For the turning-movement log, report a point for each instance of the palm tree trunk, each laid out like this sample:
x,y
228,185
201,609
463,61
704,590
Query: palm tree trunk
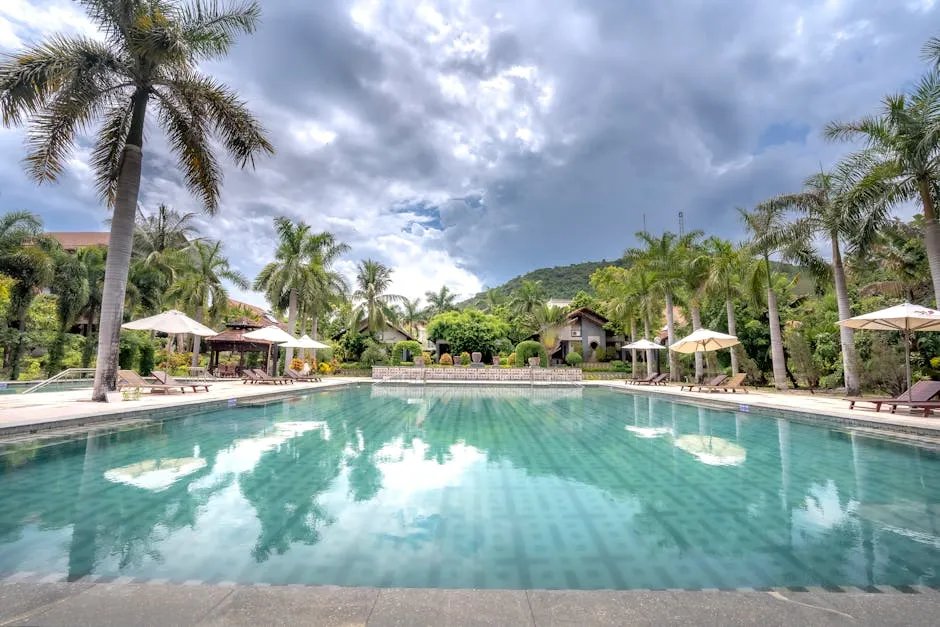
x,y
120,243
632,340
729,304
649,351
671,336
776,342
17,356
847,335
696,325
88,345
931,237
196,340
313,334
291,324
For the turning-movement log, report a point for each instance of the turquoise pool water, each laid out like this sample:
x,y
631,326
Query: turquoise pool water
x,y
474,487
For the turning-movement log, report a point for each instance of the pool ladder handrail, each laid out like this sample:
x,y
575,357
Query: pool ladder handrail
x,y
58,377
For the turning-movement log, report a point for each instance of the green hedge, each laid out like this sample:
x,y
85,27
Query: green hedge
x,y
530,348
399,349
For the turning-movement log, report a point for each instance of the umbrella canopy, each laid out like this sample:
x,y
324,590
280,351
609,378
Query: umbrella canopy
x,y
704,340
904,318
305,341
172,322
155,474
272,333
712,451
644,345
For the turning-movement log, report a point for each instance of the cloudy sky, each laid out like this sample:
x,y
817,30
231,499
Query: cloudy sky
x,y
464,142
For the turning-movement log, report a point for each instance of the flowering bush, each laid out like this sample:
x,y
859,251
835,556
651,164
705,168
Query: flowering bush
x,y
465,358
511,360
297,364
325,368
447,360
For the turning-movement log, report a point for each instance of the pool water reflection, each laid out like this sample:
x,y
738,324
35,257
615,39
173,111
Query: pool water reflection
x,y
472,487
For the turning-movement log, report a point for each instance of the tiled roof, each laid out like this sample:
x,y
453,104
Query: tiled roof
x,y
73,240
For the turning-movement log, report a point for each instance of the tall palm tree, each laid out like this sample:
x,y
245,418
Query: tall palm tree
x,y
17,228
412,314
664,257
161,239
282,279
931,52
900,161
71,291
373,280
771,235
93,260
440,301
528,298
492,299
201,287
827,210
323,287
150,54
726,271
695,273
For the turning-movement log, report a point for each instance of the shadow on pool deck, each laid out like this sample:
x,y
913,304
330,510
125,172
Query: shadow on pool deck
x,y
142,604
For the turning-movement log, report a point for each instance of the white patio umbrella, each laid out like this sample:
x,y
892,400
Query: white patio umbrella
x,y
273,334
155,474
305,341
171,322
647,346
905,318
704,340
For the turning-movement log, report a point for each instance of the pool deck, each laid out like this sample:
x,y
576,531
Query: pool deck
x,y
129,604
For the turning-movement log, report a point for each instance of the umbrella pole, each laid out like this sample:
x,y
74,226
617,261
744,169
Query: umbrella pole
x,y
907,362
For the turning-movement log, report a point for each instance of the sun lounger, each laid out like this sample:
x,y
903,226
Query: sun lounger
x,y
926,406
717,381
130,379
644,380
166,379
248,376
733,384
264,377
920,392
296,376
659,379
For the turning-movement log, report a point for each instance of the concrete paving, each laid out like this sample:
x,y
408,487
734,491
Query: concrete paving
x,y
80,604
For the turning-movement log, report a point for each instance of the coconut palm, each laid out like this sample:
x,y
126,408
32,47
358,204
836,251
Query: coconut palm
x,y
528,298
900,161
161,239
30,267
412,315
201,286
665,257
282,279
71,290
93,260
373,279
550,321
931,52
827,210
17,228
149,55
440,301
695,273
726,268
323,287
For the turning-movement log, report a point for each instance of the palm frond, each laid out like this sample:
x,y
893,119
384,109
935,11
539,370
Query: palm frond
x,y
210,28
930,52
108,150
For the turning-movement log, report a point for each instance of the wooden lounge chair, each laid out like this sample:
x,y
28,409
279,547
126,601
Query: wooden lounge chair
x,y
130,379
296,376
920,392
659,379
643,380
248,376
716,382
264,377
733,384
166,379
926,406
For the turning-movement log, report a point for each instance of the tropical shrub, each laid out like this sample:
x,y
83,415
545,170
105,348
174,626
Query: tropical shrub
x,y
465,358
374,354
468,331
446,360
611,353
620,366
324,368
574,359
398,351
531,348
147,352
297,364
511,360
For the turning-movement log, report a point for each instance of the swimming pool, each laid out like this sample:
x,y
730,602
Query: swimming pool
x,y
453,487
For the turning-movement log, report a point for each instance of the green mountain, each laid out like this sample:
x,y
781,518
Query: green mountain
x,y
566,281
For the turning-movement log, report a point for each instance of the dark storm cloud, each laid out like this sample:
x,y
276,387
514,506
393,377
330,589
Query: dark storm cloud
x,y
565,122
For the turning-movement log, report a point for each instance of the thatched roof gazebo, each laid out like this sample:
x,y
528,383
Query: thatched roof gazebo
x,y
232,339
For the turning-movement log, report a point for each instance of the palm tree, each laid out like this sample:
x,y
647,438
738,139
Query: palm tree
x,y
440,301
726,269
323,287
71,290
375,305
550,321
412,314
161,239
695,273
201,286
93,260
827,210
771,235
528,298
900,161
664,257
899,253
282,279
492,299
931,52
17,228
149,54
